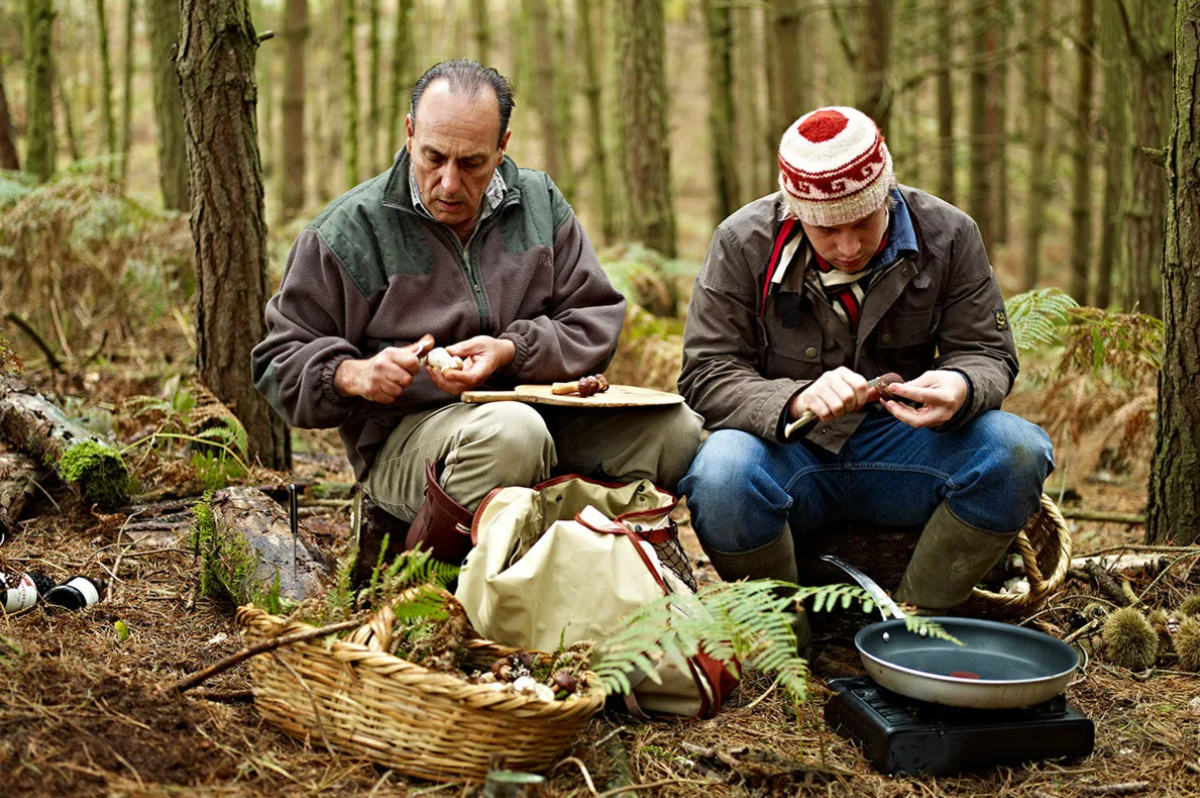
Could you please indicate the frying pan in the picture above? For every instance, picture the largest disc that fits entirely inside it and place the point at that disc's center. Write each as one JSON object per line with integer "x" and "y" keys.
{"x": 998, "y": 666}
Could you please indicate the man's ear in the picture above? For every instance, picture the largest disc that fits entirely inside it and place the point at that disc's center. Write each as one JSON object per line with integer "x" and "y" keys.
{"x": 504, "y": 143}
{"x": 408, "y": 129}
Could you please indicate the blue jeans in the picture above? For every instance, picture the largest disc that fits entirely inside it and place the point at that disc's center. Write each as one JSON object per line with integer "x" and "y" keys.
{"x": 742, "y": 489}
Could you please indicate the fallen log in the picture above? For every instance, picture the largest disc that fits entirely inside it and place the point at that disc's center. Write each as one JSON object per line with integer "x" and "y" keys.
{"x": 35, "y": 425}
{"x": 248, "y": 549}
{"x": 18, "y": 475}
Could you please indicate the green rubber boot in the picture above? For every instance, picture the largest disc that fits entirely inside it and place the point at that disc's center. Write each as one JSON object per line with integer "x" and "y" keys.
{"x": 774, "y": 560}
{"x": 951, "y": 556}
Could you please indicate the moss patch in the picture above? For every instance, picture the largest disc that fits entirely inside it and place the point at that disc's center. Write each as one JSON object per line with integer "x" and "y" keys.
{"x": 99, "y": 471}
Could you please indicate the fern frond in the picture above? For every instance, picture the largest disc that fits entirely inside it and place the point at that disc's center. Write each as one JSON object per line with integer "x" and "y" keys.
{"x": 1035, "y": 317}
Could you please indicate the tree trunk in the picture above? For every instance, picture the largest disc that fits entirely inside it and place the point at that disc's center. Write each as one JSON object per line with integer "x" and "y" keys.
{"x": 980, "y": 199}
{"x": 598, "y": 160}
{"x": 788, "y": 77}
{"x": 295, "y": 34}
{"x": 373, "y": 112}
{"x": 998, "y": 135}
{"x": 162, "y": 20}
{"x": 1153, "y": 39}
{"x": 721, "y": 110}
{"x": 127, "y": 94}
{"x": 483, "y": 32}
{"x": 875, "y": 95}
{"x": 641, "y": 40}
{"x": 216, "y": 73}
{"x": 1116, "y": 153}
{"x": 564, "y": 91}
{"x": 1174, "y": 510}
{"x": 8, "y": 139}
{"x": 945, "y": 101}
{"x": 402, "y": 81}
{"x": 350, "y": 67}
{"x": 543, "y": 46}
{"x": 68, "y": 115}
{"x": 39, "y": 89}
{"x": 1037, "y": 91}
{"x": 106, "y": 97}
{"x": 1081, "y": 188}
{"x": 33, "y": 424}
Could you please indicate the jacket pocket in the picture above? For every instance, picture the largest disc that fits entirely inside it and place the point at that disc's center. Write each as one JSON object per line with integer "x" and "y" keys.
{"x": 795, "y": 353}
{"x": 899, "y": 330}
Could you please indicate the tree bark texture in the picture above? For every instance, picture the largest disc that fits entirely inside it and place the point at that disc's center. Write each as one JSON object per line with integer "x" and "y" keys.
{"x": 1081, "y": 185}
{"x": 106, "y": 81}
{"x": 1174, "y": 510}
{"x": 721, "y": 109}
{"x": 350, "y": 70}
{"x": 39, "y": 89}
{"x": 598, "y": 159}
{"x": 33, "y": 424}
{"x": 647, "y": 154}
{"x": 543, "y": 45}
{"x": 295, "y": 34}
{"x": 374, "y": 103}
{"x": 216, "y": 73}
{"x": 162, "y": 21}
{"x": 402, "y": 80}
{"x": 875, "y": 95}
{"x": 1037, "y": 93}
{"x": 979, "y": 202}
{"x": 945, "y": 100}
{"x": 8, "y": 139}
{"x": 1116, "y": 149}
{"x": 127, "y": 93}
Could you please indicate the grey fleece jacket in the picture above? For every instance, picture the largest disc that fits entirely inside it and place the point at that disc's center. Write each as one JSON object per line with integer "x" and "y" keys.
{"x": 371, "y": 272}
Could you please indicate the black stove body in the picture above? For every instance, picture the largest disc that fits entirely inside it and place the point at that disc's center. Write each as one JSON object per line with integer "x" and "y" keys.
{"x": 900, "y": 735}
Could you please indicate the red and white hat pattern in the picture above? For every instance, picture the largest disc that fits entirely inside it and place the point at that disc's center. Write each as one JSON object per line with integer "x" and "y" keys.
{"x": 834, "y": 166}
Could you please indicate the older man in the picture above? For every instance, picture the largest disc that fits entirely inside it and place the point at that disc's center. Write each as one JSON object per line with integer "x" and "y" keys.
{"x": 806, "y": 296}
{"x": 455, "y": 245}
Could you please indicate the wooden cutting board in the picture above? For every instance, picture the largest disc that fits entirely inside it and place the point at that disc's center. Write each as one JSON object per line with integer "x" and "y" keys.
{"x": 615, "y": 396}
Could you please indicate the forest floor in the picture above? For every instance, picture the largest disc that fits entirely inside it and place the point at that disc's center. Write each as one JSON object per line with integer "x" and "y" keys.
{"x": 83, "y": 712}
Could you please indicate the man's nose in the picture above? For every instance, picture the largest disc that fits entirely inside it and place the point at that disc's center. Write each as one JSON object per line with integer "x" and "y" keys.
{"x": 847, "y": 247}
{"x": 451, "y": 180}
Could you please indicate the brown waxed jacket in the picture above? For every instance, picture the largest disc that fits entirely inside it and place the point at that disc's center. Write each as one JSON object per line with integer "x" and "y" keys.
{"x": 939, "y": 308}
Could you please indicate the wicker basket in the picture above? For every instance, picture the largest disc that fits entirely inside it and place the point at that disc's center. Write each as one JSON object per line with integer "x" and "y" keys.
{"x": 1045, "y": 548}
{"x": 359, "y": 698}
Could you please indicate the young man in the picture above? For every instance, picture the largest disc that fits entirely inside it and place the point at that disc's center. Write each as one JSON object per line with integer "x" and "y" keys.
{"x": 805, "y": 297}
{"x": 455, "y": 245}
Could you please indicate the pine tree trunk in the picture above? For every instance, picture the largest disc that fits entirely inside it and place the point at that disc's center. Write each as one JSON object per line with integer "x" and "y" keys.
{"x": 374, "y": 119}
{"x": 162, "y": 20}
{"x": 106, "y": 97}
{"x": 980, "y": 199}
{"x": 295, "y": 34}
{"x": 1153, "y": 33}
{"x": 216, "y": 73}
{"x": 945, "y": 101}
{"x": 543, "y": 46}
{"x": 999, "y": 133}
{"x": 68, "y": 115}
{"x": 8, "y": 139}
{"x": 598, "y": 159}
{"x": 1081, "y": 186}
{"x": 39, "y": 89}
{"x": 127, "y": 93}
{"x": 721, "y": 109}
{"x": 789, "y": 78}
{"x": 1116, "y": 152}
{"x": 483, "y": 32}
{"x": 641, "y": 38}
{"x": 264, "y": 79}
{"x": 1037, "y": 91}
{"x": 1174, "y": 510}
{"x": 875, "y": 96}
{"x": 350, "y": 70}
{"x": 402, "y": 81}
{"x": 748, "y": 117}
{"x": 564, "y": 91}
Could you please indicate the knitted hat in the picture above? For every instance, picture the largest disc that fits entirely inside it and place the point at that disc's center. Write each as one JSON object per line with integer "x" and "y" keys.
{"x": 834, "y": 167}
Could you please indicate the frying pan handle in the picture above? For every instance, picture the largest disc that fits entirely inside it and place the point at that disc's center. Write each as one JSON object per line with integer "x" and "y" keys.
{"x": 887, "y": 607}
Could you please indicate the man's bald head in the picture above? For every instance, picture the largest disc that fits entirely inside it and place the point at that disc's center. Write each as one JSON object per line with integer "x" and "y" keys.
{"x": 468, "y": 78}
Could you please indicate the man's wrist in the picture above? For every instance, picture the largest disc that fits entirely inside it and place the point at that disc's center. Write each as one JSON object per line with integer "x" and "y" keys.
{"x": 345, "y": 378}
{"x": 506, "y": 351}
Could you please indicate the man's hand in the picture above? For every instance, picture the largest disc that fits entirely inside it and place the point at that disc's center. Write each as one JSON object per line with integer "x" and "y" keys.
{"x": 941, "y": 394}
{"x": 384, "y": 377}
{"x": 833, "y": 395}
{"x": 482, "y": 356}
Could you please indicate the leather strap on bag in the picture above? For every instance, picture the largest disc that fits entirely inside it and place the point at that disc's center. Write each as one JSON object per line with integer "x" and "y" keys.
{"x": 442, "y": 525}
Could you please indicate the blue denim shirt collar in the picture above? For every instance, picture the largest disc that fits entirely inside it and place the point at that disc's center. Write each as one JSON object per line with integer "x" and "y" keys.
{"x": 901, "y": 235}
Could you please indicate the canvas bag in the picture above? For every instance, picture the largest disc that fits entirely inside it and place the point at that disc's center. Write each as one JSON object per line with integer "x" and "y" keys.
{"x": 568, "y": 560}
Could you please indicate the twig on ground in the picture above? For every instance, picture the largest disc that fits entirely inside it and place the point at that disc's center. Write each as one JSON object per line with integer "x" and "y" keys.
{"x": 652, "y": 784}
{"x": 1100, "y": 515}
{"x": 225, "y": 696}
{"x": 1105, "y": 582}
{"x": 1125, "y": 788}
{"x": 51, "y": 359}
{"x": 199, "y": 677}
{"x": 587, "y": 777}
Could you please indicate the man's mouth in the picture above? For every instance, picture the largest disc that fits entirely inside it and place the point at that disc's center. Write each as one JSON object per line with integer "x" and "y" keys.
{"x": 449, "y": 205}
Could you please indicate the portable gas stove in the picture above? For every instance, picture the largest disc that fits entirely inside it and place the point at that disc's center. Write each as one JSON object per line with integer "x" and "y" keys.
{"x": 898, "y": 734}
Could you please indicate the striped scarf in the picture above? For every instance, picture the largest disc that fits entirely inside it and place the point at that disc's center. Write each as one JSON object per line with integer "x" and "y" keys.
{"x": 846, "y": 292}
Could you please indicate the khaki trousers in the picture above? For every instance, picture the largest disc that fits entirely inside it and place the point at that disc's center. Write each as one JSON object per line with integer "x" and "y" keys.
{"x": 499, "y": 444}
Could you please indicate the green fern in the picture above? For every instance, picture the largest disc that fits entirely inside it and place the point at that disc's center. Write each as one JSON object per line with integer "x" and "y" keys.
{"x": 1036, "y": 317}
